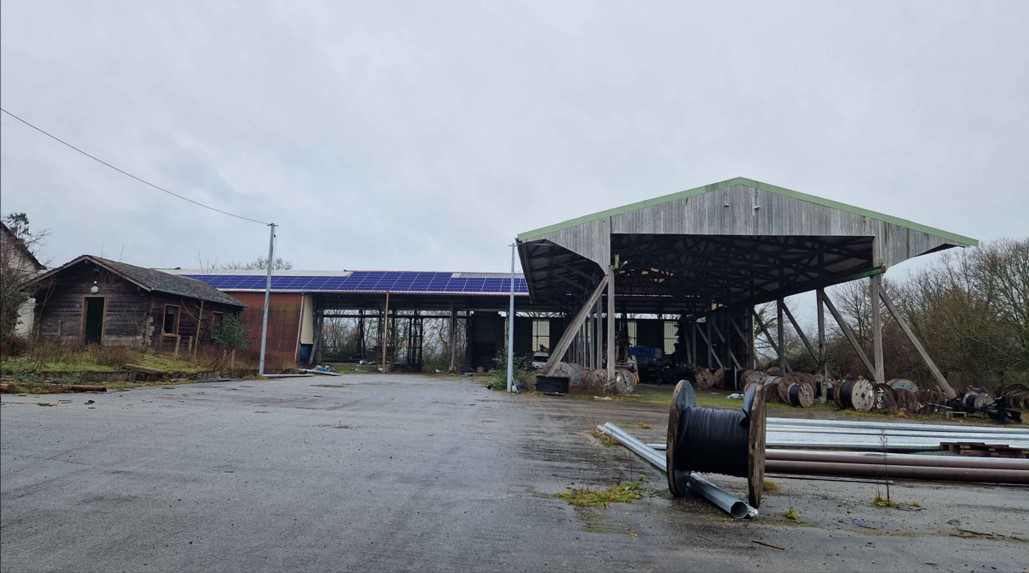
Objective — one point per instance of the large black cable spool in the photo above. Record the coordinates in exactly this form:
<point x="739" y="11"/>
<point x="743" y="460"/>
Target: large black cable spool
<point x="714" y="440"/>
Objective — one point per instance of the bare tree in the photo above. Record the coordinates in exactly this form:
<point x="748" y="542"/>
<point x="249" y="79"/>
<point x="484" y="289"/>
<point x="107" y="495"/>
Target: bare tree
<point x="258" y="264"/>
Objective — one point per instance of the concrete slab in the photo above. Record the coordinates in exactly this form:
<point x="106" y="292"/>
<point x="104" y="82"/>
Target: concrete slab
<point x="420" y="473"/>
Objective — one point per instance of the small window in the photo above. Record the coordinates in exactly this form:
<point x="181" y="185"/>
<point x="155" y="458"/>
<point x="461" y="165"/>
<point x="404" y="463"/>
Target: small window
<point x="216" y="320"/>
<point x="171" y="319"/>
<point x="541" y="334"/>
<point x="671" y="336"/>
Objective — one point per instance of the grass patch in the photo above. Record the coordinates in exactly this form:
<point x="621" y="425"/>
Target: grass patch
<point x="770" y="486"/>
<point x="637" y="425"/>
<point x="588" y="497"/>
<point x="791" y="514"/>
<point x="880" y="501"/>
<point x="605" y="439"/>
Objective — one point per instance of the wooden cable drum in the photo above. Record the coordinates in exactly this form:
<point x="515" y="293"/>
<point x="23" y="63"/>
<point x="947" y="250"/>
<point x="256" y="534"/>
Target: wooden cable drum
<point x="718" y="378"/>
<point x="1016" y="395"/>
<point x="976" y="398"/>
<point x="885" y="399"/>
<point x="906" y="401"/>
<point x="704" y="378"/>
<point x="902" y="383"/>
<point x="749" y="376"/>
<point x="716" y="440"/>
<point x="797" y="395"/>
<point x="857" y="394"/>
<point x="772" y="383"/>
<point x="797" y="389"/>
<point x="625" y="381"/>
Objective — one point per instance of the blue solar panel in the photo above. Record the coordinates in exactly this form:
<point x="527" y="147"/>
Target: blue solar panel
<point x="370" y="281"/>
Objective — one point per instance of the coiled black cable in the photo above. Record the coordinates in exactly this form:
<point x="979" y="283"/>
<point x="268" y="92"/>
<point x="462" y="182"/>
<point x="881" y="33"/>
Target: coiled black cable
<point x="712" y="440"/>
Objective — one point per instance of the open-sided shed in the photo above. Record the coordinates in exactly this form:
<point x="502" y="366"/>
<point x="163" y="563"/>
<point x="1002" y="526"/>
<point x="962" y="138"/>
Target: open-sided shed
<point x="708" y="255"/>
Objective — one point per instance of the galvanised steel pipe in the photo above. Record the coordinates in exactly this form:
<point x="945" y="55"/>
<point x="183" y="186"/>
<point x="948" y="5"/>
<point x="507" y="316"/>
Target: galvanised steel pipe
<point x="899" y="459"/>
<point x="881" y="471"/>
<point x="888" y="425"/>
<point x="709" y="491"/>
<point x="1011" y="434"/>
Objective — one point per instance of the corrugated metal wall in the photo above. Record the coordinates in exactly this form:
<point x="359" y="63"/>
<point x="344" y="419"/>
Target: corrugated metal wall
<point x="283" y="323"/>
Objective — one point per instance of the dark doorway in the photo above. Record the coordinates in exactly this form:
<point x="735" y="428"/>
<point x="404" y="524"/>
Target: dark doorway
<point x="94" y="320"/>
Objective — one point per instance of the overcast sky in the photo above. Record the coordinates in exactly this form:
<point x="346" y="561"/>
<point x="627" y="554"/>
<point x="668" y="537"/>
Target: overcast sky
<point x="424" y="136"/>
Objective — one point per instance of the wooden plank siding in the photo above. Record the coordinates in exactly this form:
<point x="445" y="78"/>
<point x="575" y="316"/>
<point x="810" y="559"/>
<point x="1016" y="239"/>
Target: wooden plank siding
<point x="60" y="307"/>
<point x="194" y="316"/>
<point x="743" y="210"/>
<point x="133" y="316"/>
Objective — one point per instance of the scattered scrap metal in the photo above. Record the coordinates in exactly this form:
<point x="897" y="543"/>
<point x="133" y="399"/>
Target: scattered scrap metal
<point x="744" y="443"/>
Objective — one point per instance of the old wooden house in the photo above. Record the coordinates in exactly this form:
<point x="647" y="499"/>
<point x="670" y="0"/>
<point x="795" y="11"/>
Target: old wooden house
<point x="92" y="300"/>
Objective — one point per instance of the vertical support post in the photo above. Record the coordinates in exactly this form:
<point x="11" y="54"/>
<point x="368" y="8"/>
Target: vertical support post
<point x="822" y="366"/>
<point x="693" y="341"/>
<point x="611" y="323"/>
<point x="386" y="334"/>
<point x="707" y="341"/>
<point x="319" y="322"/>
<point x="267" y="297"/>
<point x="875" y="286"/>
<point x="780" y="336"/>
<point x="453" y="335"/>
<point x="598" y="329"/>
<point x="510" y="326"/>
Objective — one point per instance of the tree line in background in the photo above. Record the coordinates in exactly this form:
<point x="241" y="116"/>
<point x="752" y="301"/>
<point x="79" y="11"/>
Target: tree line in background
<point x="970" y="310"/>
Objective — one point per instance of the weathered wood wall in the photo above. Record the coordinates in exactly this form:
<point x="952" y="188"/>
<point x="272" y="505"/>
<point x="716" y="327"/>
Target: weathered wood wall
<point x="194" y="316"/>
<point x="60" y="307"/>
<point x="132" y="315"/>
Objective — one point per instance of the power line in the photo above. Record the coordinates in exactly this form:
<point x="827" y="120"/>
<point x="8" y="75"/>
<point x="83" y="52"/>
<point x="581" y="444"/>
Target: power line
<point x="126" y="173"/>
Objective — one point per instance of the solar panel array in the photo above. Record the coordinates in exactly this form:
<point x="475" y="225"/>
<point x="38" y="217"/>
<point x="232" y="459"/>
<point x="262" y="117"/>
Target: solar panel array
<point x="373" y="282"/>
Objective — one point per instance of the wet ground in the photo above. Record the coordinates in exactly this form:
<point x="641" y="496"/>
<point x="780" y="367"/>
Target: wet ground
<point x="419" y="473"/>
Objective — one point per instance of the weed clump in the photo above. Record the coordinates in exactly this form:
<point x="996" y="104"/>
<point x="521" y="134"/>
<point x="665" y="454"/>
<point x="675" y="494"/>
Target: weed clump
<point x="588" y="497"/>
<point x="770" y="486"/>
<point x="792" y="514"/>
<point x="880" y="501"/>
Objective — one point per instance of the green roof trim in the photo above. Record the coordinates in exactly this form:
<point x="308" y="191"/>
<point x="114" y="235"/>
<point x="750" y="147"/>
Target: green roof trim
<point x="953" y="237"/>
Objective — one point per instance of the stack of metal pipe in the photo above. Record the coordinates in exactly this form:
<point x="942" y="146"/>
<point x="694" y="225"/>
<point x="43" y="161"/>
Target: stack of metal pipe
<point x="870" y="446"/>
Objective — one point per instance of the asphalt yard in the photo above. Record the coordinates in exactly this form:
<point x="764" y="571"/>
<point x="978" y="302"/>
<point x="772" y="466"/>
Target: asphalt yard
<point x="424" y="473"/>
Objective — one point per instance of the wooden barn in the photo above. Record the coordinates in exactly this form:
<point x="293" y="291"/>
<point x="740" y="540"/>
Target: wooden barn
<point x="91" y="300"/>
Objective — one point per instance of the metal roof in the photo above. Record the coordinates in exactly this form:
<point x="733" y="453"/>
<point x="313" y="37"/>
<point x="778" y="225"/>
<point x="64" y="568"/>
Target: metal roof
<point x="375" y="282"/>
<point x="738" y="181"/>
<point x="147" y="279"/>
<point x="733" y="242"/>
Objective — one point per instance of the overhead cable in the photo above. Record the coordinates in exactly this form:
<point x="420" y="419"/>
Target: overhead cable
<point x="127" y="174"/>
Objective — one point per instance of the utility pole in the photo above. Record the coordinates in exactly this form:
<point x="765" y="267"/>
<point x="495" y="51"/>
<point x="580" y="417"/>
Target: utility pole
<point x="267" y="297"/>
<point x="510" y="326"/>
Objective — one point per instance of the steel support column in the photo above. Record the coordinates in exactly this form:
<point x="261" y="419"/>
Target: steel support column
<point x="611" y="323"/>
<point x="875" y="286"/>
